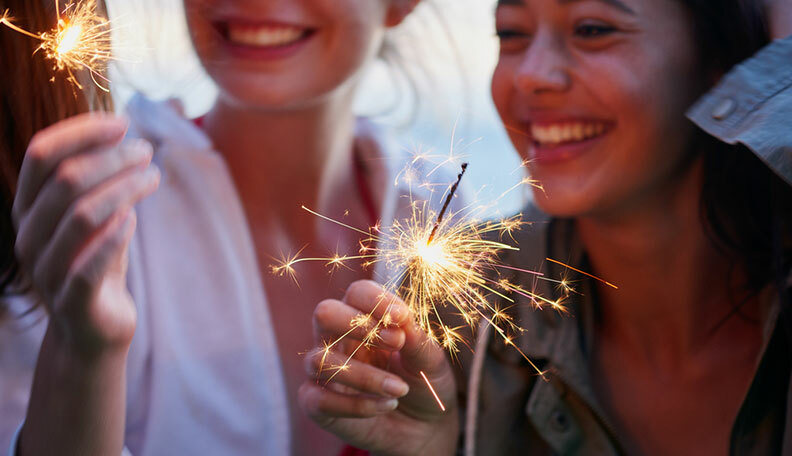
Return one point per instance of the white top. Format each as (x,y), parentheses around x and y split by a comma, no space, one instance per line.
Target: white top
(204,374)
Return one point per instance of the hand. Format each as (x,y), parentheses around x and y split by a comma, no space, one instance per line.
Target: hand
(780,14)
(381,402)
(74,215)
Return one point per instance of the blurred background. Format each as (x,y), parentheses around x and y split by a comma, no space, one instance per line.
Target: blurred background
(446,52)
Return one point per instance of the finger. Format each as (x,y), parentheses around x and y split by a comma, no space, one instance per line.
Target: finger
(57,142)
(325,365)
(73,178)
(86,217)
(370,298)
(90,267)
(333,319)
(421,353)
(324,406)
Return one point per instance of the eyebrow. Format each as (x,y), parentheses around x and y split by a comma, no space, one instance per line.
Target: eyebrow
(615,3)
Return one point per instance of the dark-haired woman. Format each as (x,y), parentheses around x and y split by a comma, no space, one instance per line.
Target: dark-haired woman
(692,353)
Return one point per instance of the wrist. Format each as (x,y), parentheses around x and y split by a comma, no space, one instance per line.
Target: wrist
(84,347)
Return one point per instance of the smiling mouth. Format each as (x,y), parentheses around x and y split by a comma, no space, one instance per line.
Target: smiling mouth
(263,36)
(556,134)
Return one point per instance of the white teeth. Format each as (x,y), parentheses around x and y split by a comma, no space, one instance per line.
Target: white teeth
(264,36)
(566,132)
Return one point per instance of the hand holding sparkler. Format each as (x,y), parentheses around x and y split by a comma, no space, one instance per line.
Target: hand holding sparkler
(74,218)
(379,399)
(73,210)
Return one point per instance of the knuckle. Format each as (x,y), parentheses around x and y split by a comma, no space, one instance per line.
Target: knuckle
(322,403)
(68,177)
(22,248)
(42,281)
(356,287)
(362,406)
(371,383)
(312,362)
(324,311)
(37,150)
(17,213)
(83,218)
(79,279)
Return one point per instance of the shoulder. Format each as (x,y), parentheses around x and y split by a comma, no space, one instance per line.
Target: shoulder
(752,106)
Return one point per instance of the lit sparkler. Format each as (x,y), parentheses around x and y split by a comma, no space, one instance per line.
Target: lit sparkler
(438,259)
(81,40)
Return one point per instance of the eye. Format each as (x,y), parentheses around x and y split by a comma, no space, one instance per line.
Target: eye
(509,34)
(594,30)
(513,40)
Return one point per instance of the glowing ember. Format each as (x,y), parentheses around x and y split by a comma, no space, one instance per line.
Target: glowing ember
(81,40)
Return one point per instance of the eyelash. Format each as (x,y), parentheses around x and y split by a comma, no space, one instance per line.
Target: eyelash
(507,34)
(592,31)
(583,31)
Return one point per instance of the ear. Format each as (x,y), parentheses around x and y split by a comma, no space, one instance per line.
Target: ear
(398,10)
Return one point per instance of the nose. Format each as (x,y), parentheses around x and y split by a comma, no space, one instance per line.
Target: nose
(544,67)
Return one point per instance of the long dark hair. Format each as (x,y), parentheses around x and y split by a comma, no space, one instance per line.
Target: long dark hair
(32,97)
(745,206)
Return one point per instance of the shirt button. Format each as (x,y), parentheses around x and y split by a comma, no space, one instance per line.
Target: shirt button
(559,421)
(724,109)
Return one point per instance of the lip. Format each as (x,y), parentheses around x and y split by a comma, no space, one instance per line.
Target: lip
(547,154)
(262,53)
(554,154)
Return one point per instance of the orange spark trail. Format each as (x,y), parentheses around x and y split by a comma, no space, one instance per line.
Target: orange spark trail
(434,393)
(582,272)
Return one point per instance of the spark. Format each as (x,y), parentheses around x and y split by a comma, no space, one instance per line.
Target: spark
(437,261)
(434,393)
(583,272)
(80,41)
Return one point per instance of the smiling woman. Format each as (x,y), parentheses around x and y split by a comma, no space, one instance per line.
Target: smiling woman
(164,332)
(690,354)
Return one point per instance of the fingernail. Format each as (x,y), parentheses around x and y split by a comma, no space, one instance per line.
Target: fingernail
(387,405)
(152,173)
(395,388)
(139,148)
(116,129)
(392,337)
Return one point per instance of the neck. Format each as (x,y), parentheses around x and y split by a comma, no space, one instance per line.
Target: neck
(675,286)
(283,159)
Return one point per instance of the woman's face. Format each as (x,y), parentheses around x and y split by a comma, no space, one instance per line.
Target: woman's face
(593,93)
(284,54)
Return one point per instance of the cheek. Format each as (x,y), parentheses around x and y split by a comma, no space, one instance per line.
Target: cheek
(505,96)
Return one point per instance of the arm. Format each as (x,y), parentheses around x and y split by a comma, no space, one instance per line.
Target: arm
(73,210)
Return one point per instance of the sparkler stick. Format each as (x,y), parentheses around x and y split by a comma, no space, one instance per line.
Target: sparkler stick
(81,40)
(447,202)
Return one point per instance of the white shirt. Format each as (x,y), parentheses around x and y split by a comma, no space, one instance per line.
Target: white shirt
(204,374)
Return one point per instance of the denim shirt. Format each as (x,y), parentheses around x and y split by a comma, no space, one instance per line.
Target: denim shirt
(510,410)
(752,106)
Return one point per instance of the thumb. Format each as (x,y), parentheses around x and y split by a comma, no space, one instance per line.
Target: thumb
(420,352)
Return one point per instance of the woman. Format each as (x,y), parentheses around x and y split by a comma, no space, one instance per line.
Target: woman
(690,355)
(213,366)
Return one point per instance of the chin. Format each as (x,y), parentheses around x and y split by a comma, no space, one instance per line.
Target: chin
(563,204)
(261,93)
